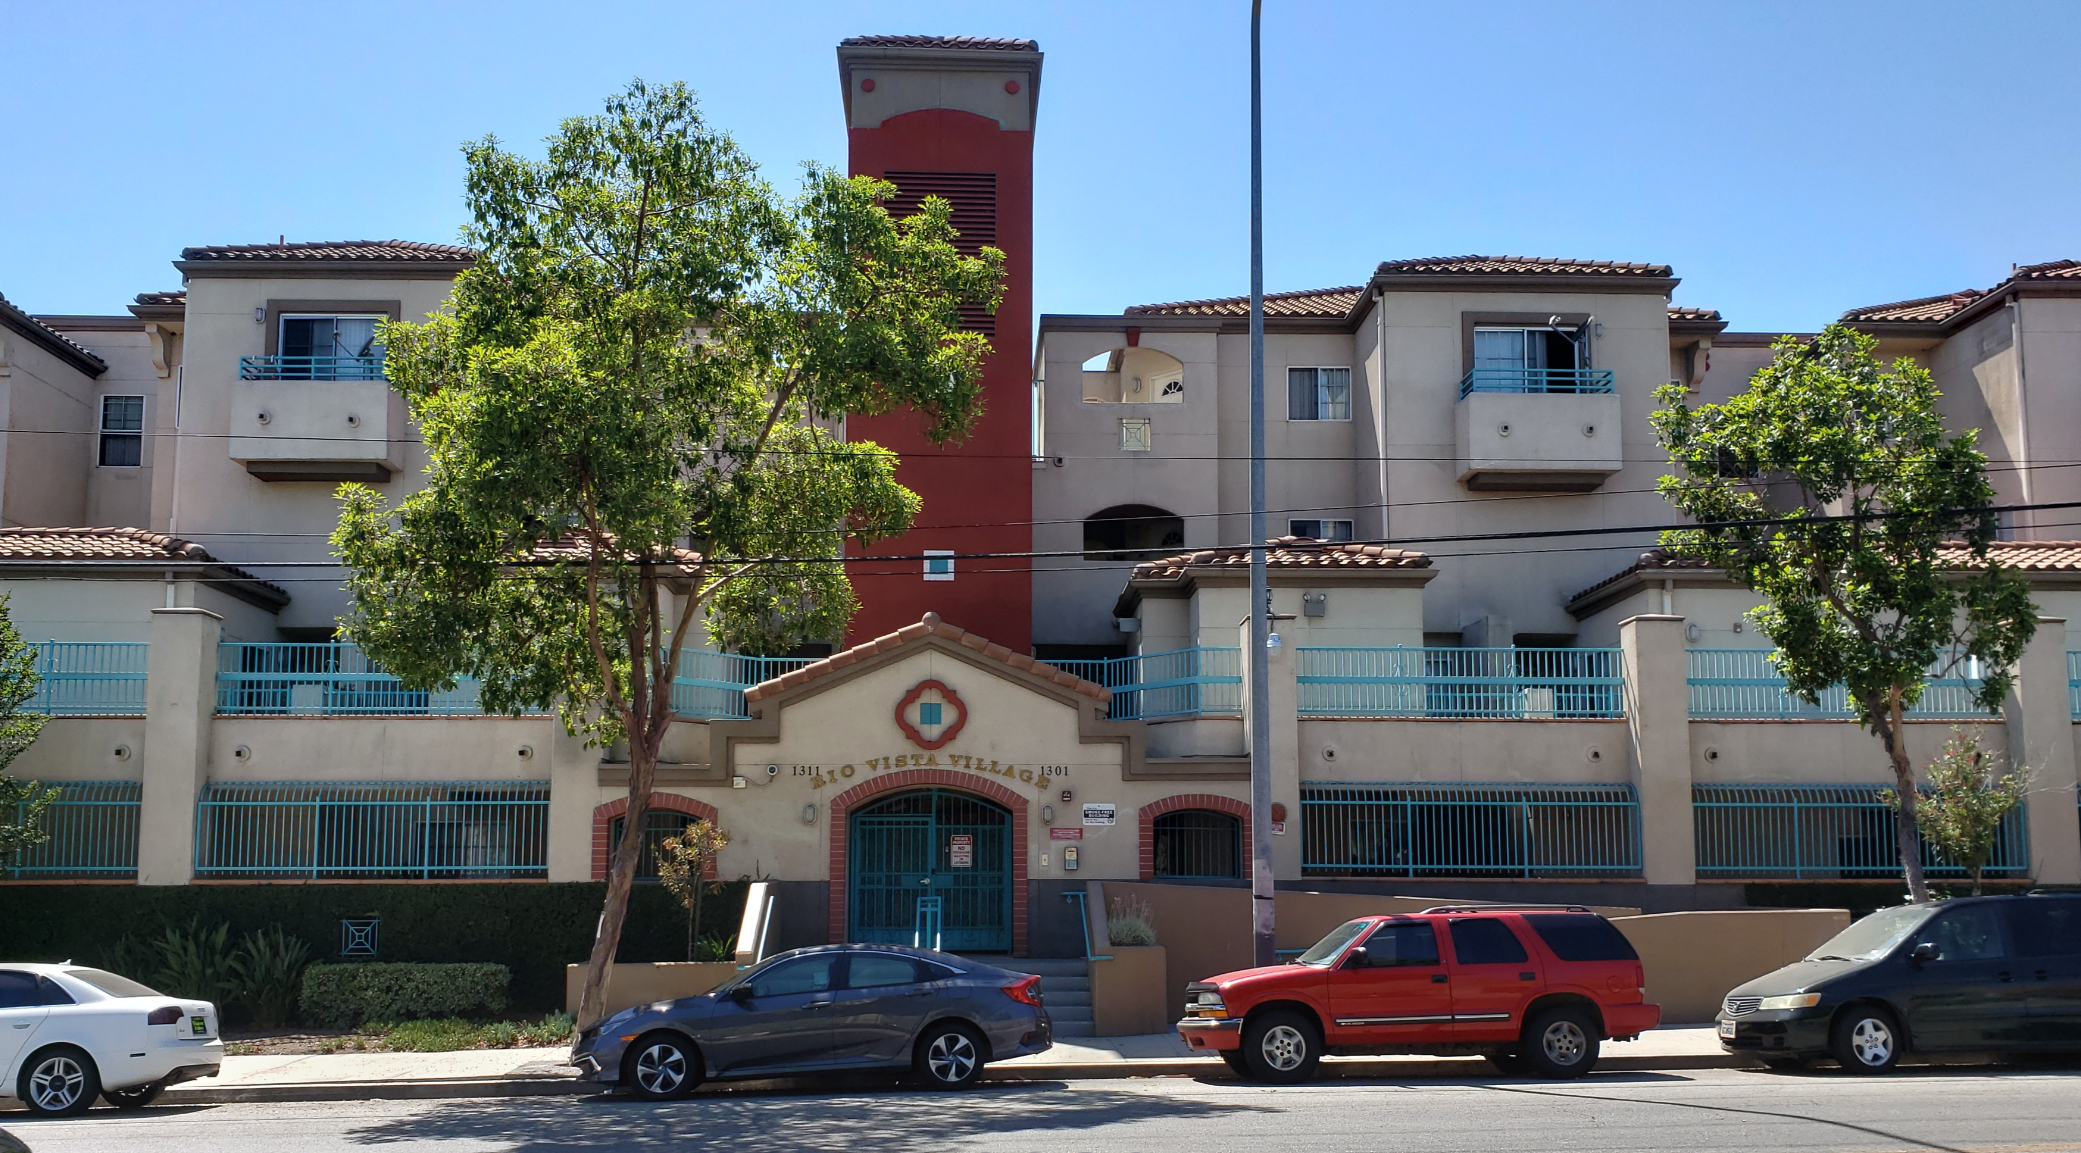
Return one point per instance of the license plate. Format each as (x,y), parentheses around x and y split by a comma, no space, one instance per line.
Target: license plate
(1727,1030)
(199,1026)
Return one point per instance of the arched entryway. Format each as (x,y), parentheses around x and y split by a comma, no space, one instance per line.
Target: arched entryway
(931,842)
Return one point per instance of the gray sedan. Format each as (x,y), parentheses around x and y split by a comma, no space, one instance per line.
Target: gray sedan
(830,1008)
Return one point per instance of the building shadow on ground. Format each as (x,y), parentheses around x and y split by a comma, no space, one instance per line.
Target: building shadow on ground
(887,1122)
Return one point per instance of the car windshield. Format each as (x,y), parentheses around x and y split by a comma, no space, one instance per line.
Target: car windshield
(112,984)
(1874,936)
(1327,949)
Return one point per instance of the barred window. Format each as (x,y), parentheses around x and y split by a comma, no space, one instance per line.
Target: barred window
(1198,843)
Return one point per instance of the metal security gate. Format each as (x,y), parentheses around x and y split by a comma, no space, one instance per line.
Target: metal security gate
(931,843)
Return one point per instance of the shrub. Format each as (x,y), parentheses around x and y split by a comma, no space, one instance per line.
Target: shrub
(269,966)
(345,996)
(1129,922)
(196,962)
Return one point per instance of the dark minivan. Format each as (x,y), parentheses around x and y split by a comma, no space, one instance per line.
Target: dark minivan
(1978,974)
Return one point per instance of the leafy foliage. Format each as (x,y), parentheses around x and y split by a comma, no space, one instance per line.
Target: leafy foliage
(1831,487)
(682,868)
(1131,922)
(269,966)
(1961,814)
(345,996)
(22,803)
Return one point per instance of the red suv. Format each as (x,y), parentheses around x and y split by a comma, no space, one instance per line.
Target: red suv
(1532,989)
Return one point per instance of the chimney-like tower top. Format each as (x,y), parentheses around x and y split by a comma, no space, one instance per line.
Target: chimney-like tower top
(884,76)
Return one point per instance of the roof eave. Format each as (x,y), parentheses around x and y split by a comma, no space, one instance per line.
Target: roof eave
(28,326)
(319,269)
(1521,282)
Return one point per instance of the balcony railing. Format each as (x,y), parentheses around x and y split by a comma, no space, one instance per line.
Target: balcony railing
(1742,684)
(1195,682)
(373,830)
(1512,683)
(330,679)
(310,367)
(1838,832)
(91,831)
(712,684)
(1535,380)
(1469,830)
(89,679)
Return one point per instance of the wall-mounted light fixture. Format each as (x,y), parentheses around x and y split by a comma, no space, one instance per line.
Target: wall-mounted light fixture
(809,814)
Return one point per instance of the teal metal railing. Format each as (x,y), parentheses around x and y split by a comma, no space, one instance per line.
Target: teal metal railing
(712,684)
(1194,682)
(1512,683)
(1469,830)
(327,679)
(420,830)
(1083,915)
(2074,684)
(311,367)
(1842,832)
(1742,684)
(1535,380)
(89,678)
(91,833)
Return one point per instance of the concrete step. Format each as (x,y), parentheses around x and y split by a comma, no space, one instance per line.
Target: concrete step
(1065,998)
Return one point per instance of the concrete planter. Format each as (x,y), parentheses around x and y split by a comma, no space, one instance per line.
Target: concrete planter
(640,984)
(1127,992)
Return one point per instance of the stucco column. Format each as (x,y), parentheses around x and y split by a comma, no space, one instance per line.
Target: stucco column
(180,699)
(1286,746)
(2038,717)
(574,791)
(1658,718)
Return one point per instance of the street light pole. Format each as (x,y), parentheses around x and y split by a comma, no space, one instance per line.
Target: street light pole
(1258,655)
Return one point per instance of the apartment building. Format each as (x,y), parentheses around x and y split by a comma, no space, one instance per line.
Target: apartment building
(1572,719)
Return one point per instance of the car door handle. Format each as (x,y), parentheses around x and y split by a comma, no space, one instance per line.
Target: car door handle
(23,1024)
(1528,976)
(2003,976)
(1438,978)
(919,993)
(2041,975)
(820,1004)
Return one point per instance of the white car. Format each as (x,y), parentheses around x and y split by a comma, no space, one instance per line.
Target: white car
(69,1034)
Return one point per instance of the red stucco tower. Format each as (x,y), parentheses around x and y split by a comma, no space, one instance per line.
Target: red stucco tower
(952,116)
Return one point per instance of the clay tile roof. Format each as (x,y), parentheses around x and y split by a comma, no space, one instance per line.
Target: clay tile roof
(1517,266)
(939,42)
(575,547)
(931,626)
(403,251)
(1653,560)
(1926,310)
(1679,312)
(1331,302)
(2028,556)
(57,342)
(177,296)
(1284,552)
(2050,270)
(21,544)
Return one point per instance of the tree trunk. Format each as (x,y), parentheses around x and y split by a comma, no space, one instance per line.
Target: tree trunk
(621,878)
(1977,870)
(700,885)
(1907,834)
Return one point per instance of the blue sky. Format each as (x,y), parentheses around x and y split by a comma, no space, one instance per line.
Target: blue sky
(1790,160)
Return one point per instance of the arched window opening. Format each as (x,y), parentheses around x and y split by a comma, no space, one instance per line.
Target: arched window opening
(1132,532)
(657,825)
(1198,844)
(1134,376)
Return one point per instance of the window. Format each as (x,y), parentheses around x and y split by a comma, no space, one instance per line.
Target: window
(122,431)
(1318,394)
(110,983)
(1526,359)
(2046,927)
(1486,941)
(1134,434)
(1969,934)
(330,348)
(1134,376)
(18,990)
(808,975)
(876,970)
(1330,531)
(1132,532)
(1198,843)
(657,825)
(1402,943)
(1581,937)
(939,564)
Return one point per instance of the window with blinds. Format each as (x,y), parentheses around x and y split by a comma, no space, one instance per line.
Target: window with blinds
(973,196)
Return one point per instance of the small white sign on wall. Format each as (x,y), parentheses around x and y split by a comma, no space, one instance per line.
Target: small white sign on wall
(1099,814)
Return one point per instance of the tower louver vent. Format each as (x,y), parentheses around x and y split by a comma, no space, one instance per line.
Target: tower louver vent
(973,196)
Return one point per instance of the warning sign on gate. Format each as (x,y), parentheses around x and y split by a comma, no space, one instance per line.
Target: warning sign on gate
(961,851)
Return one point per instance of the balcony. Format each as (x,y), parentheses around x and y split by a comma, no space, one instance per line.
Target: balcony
(1466,683)
(1537,429)
(350,427)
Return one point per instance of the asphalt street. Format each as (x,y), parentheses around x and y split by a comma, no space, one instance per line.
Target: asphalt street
(2021,1110)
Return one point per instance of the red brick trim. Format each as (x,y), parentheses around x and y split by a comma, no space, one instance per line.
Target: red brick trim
(844,803)
(1219,804)
(603,824)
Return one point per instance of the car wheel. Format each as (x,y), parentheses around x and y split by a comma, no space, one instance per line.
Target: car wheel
(135,1097)
(1787,1064)
(1508,1062)
(949,1056)
(1561,1042)
(661,1066)
(1281,1047)
(1866,1039)
(59,1082)
(1233,1058)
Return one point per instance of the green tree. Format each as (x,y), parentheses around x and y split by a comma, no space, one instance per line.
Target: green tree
(628,406)
(1961,814)
(682,868)
(1862,491)
(22,803)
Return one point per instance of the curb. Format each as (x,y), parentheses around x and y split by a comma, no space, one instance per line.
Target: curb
(1204,1068)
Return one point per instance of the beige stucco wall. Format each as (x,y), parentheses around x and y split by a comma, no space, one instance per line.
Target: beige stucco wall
(49,414)
(84,749)
(1693,959)
(1473,751)
(62,609)
(1818,751)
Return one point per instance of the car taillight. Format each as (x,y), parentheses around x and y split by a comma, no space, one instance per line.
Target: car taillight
(1026,992)
(169,1015)
(1639,977)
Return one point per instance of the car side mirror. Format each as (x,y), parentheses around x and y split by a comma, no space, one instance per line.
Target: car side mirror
(1356,958)
(741,993)
(1924,953)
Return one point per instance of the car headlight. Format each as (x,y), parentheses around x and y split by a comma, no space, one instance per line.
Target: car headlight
(1209,1004)
(1794,1001)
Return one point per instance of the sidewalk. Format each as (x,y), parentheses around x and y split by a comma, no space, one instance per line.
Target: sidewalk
(541,1072)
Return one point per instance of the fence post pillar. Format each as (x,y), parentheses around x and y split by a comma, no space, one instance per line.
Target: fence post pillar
(1286,746)
(574,788)
(180,700)
(1658,721)
(2038,717)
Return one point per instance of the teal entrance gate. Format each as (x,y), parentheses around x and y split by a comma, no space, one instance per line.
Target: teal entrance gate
(931,843)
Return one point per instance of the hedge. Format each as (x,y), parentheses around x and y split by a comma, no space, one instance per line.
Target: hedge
(347,996)
(533,928)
